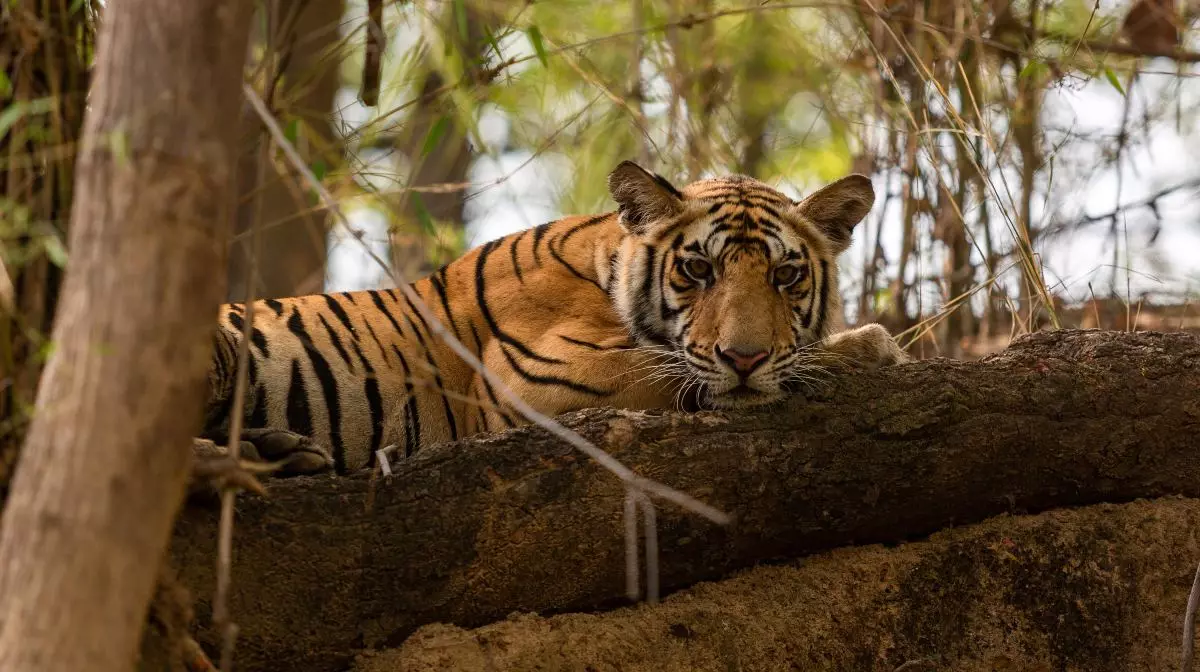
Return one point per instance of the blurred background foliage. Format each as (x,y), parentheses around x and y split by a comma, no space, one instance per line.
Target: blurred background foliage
(1031,158)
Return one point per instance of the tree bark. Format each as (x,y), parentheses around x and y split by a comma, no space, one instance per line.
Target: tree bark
(1099,588)
(466,533)
(103,470)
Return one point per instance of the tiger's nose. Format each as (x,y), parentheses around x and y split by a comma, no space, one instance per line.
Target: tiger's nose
(743,363)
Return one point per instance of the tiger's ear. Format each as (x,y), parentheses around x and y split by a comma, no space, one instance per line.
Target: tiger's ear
(642,197)
(837,208)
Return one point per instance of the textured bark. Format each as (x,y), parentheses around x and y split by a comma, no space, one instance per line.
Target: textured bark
(1100,588)
(103,470)
(467,533)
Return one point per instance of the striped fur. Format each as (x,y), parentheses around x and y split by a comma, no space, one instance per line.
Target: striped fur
(580,312)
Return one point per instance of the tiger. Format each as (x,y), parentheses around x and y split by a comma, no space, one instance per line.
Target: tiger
(720,295)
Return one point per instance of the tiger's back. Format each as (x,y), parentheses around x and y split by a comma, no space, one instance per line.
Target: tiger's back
(357,371)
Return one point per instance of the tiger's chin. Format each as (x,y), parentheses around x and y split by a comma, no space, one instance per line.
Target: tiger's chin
(740,397)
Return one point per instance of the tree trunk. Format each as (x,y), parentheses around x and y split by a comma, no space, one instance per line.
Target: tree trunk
(467,533)
(415,250)
(103,470)
(293,227)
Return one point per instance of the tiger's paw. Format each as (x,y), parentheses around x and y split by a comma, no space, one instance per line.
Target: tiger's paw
(867,347)
(296,455)
(261,451)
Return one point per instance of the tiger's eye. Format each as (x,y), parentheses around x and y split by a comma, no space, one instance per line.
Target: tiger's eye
(697,269)
(786,276)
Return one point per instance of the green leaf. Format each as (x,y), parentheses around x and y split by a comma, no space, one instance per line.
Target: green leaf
(292,132)
(13,113)
(460,13)
(55,251)
(490,37)
(435,134)
(1112,79)
(319,169)
(1033,69)
(535,38)
(423,216)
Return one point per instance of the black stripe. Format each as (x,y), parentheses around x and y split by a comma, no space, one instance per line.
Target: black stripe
(378,301)
(538,232)
(350,298)
(340,313)
(412,421)
(806,319)
(593,346)
(236,321)
(478,343)
(437,379)
(259,340)
(416,313)
(374,402)
(299,416)
(274,305)
(337,343)
(382,351)
(438,280)
(481,300)
(512,252)
(557,257)
(487,386)
(588,223)
(823,290)
(328,389)
(552,380)
(642,329)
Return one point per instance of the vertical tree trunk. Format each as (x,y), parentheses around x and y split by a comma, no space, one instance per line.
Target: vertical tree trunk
(294,229)
(414,253)
(103,470)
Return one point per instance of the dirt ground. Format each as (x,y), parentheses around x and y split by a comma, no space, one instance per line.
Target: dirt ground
(1091,589)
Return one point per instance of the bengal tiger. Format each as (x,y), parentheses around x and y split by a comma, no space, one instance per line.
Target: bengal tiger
(721,295)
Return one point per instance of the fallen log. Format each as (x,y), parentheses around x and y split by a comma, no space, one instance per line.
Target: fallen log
(1102,588)
(467,533)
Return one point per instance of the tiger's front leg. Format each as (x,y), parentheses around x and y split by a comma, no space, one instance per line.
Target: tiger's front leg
(867,347)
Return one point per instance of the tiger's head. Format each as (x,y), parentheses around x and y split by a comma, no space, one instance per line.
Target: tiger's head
(730,278)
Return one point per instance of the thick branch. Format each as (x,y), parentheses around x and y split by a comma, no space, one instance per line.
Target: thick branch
(1095,588)
(468,533)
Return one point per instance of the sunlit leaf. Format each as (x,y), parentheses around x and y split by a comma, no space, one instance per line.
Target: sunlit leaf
(292,131)
(535,38)
(435,134)
(423,216)
(460,14)
(55,251)
(1112,79)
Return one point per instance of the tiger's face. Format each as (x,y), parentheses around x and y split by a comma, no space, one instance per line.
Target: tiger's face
(730,281)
